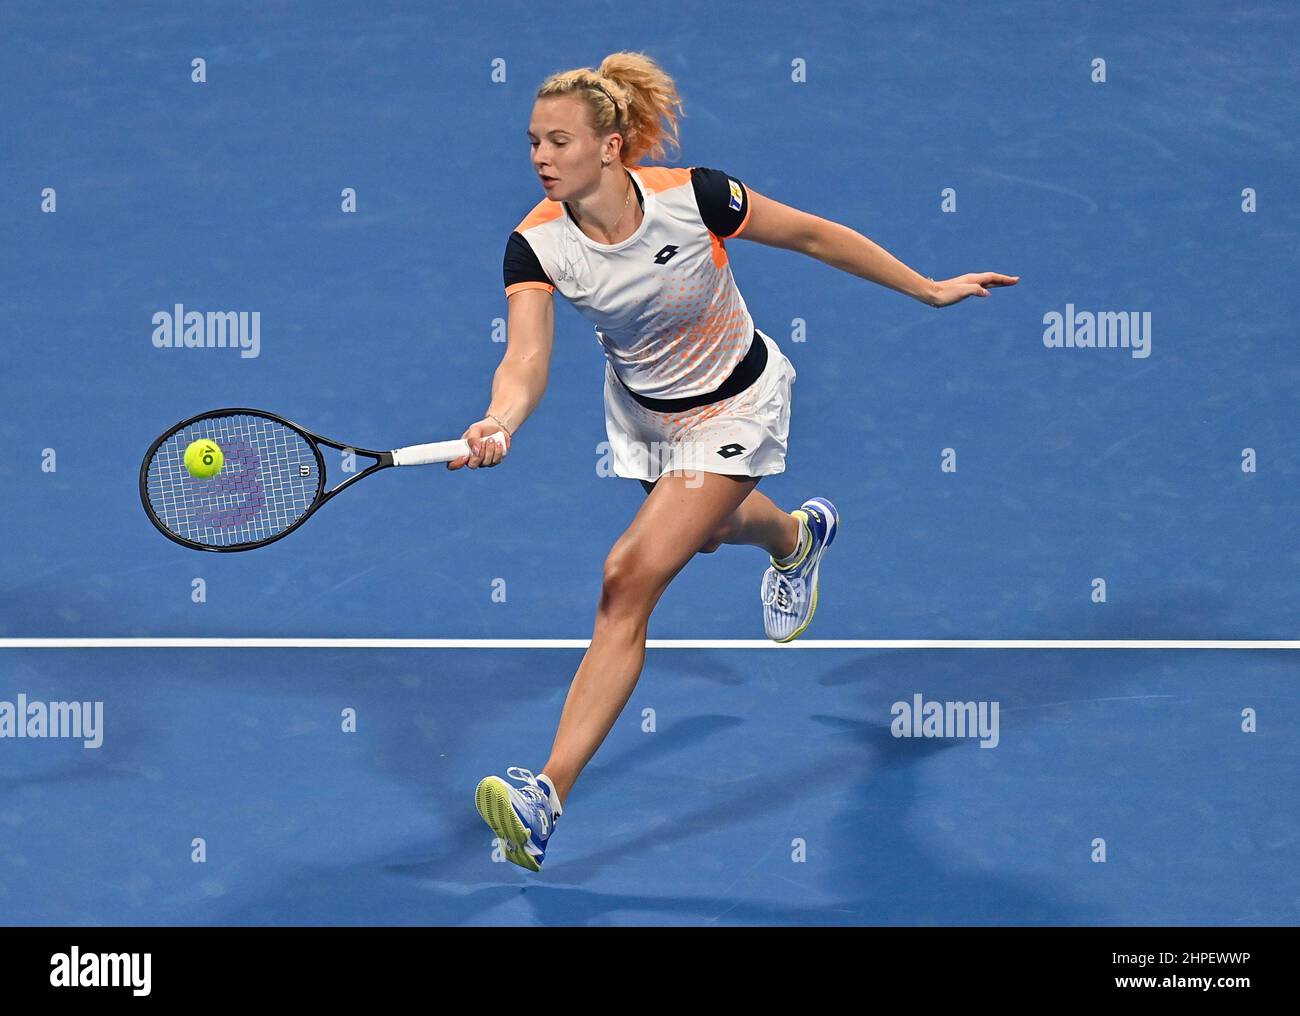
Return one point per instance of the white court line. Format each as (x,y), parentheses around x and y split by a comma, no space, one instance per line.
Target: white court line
(395,643)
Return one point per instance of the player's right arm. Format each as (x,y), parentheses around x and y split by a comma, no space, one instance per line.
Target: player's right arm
(520,378)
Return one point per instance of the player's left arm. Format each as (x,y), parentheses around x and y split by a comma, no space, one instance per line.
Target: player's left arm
(778,225)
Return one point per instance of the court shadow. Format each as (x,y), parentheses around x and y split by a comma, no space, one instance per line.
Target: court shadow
(887,859)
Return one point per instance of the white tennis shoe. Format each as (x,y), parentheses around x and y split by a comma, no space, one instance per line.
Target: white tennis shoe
(790,593)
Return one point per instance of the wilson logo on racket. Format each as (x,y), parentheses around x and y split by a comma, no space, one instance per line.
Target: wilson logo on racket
(272,482)
(234,496)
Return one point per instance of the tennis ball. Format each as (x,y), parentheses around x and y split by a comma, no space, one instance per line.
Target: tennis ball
(203,458)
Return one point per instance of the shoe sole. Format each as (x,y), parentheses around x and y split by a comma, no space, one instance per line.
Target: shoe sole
(492,798)
(833,526)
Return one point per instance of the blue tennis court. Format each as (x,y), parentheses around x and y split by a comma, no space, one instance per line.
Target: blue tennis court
(753,755)
(989,479)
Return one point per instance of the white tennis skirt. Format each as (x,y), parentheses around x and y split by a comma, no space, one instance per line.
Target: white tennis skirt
(744,435)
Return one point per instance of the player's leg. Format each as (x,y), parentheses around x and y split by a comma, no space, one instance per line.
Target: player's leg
(796,541)
(757,522)
(673,524)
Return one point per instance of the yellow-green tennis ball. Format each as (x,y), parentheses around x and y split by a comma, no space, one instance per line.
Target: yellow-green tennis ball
(203,458)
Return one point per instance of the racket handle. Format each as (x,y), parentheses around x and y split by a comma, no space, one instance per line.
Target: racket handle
(438,451)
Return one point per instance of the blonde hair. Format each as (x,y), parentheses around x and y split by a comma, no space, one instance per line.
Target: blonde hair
(628,94)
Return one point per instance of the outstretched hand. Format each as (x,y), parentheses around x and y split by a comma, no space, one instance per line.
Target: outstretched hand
(951,291)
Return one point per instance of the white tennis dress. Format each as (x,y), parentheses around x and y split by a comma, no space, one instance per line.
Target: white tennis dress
(690,383)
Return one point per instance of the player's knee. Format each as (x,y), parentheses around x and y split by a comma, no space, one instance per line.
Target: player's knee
(626,576)
(722,534)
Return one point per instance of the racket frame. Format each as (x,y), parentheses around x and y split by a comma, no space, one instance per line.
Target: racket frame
(314,441)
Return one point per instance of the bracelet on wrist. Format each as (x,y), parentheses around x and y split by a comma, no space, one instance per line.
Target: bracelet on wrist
(498,419)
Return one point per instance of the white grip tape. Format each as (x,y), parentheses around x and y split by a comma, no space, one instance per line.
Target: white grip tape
(438,451)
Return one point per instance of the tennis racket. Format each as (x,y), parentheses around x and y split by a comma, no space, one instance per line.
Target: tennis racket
(272,479)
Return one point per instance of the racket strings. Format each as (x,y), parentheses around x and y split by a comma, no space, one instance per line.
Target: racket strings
(268,481)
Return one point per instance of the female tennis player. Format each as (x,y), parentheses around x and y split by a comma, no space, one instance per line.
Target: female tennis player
(697,398)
